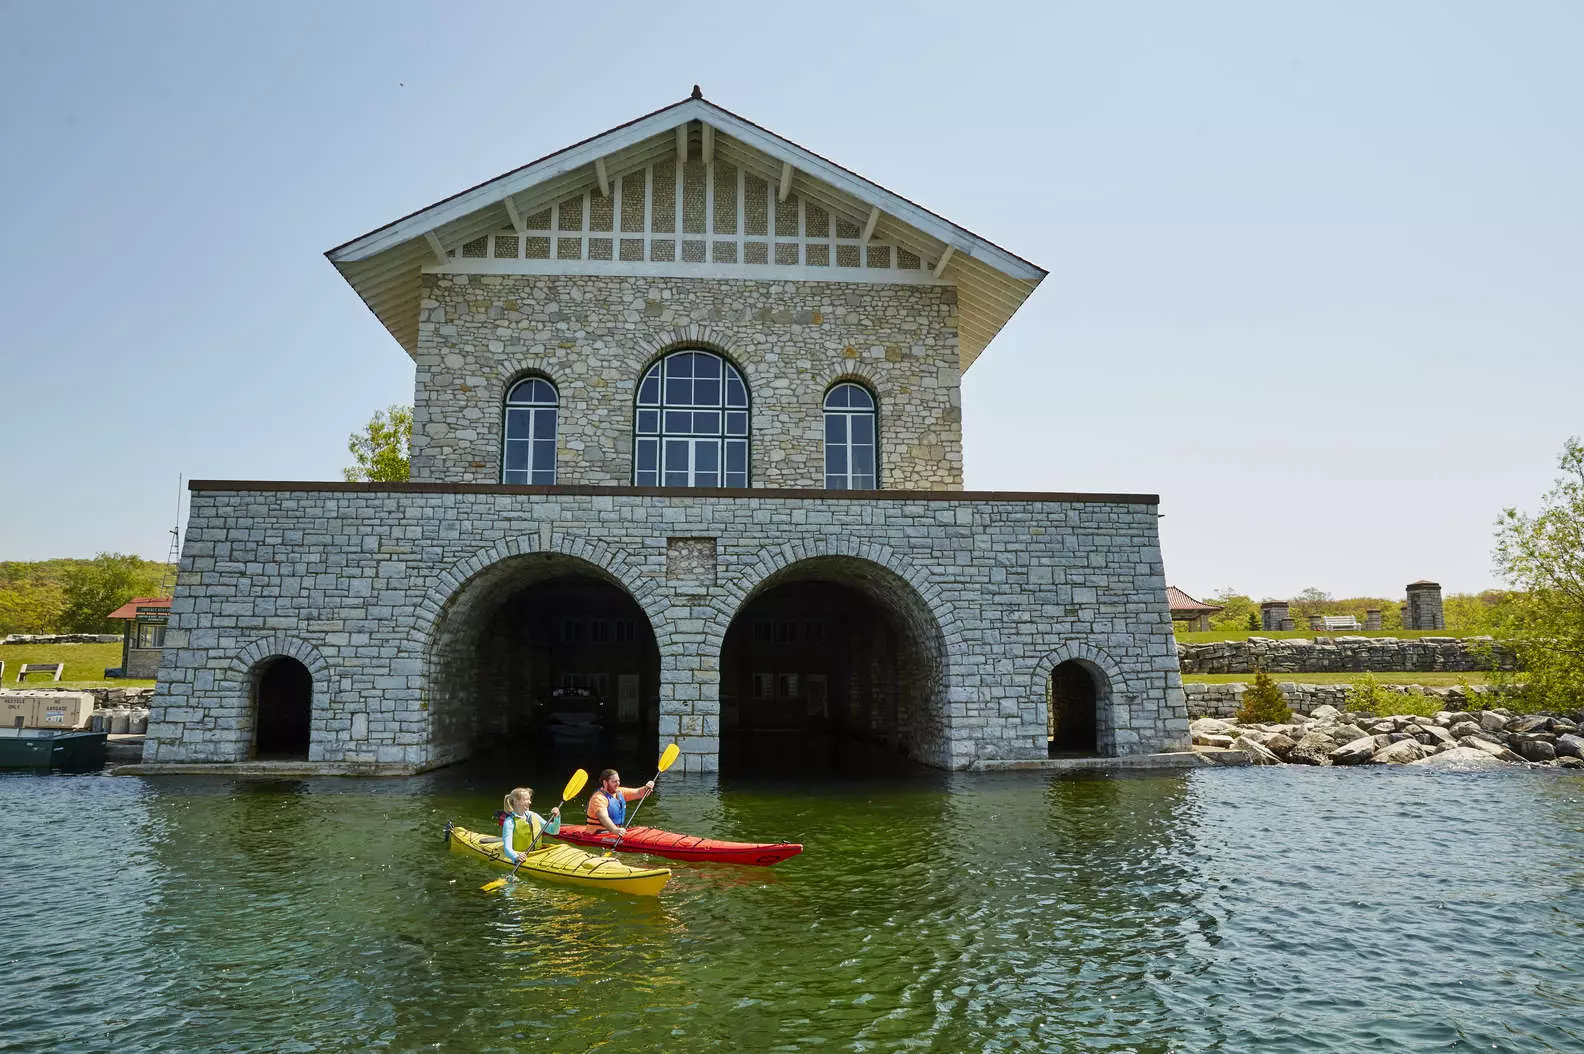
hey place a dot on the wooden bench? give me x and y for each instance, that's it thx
(55, 668)
(1341, 622)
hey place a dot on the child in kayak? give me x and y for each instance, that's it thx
(607, 807)
(522, 825)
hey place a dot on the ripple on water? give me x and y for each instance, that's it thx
(1269, 909)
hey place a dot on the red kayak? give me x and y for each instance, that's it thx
(656, 842)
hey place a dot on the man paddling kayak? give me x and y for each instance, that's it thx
(607, 807)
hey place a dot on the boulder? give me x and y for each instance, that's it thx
(1202, 739)
(1463, 728)
(1437, 735)
(1569, 746)
(1324, 712)
(1462, 758)
(1495, 750)
(1313, 749)
(1400, 753)
(1346, 733)
(1356, 752)
(1380, 727)
(1570, 763)
(1491, 721)
(1533, 748)
(1529, 723)
(1560, 725)
(1258, 755)
(1277, 743)
(1209, 726)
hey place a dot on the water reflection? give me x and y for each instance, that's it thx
(1272, 910)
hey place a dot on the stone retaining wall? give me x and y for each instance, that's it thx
(1346, 655)
(1224, 700)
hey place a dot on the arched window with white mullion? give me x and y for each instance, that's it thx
(690, 424)
(850, 439)
(528, 454)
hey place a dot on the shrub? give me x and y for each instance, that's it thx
(1263, 703)
(1366, 695)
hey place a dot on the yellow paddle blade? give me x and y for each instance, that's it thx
(493, 884)
(668, 758)
(574, 785)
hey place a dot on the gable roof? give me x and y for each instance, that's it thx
(384, 265)
(1178, 601)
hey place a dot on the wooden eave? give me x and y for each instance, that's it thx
(384, 266)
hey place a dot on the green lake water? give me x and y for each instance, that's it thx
(1289, 909)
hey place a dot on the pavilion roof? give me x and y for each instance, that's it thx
(1178, 601)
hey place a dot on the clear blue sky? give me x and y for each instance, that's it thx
(1317, 271)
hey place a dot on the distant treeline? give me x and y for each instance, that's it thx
(1467, 614)
(74, 596)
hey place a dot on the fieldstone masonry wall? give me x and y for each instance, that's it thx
(357, 581)
(594, 336)
(1345, 655)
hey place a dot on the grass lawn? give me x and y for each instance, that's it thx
(1211, 636)
(85, 665)
(1429, 680)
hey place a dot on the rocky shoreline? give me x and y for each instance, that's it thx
(1455, 740)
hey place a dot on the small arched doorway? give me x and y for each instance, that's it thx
(1072, 702)
(282, 708)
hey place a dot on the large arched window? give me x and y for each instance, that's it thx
(529, 454)
(850, 438)
(690, 427)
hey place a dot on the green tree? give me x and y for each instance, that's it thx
(31, 604)
(1543, 555)
(383, 449)
(1235, 610)
(1264, 703)
(96, 587)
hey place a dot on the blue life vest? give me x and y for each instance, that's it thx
(615, 808)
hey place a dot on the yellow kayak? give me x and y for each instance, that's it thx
(565, 864)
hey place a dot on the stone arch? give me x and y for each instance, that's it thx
(742, 585)
(925, 635)
(453, 616)
(619, 568)
(858, 372)
(244, 668)
(1109, 684)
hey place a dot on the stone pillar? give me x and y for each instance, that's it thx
(1317, 622)
(1423, 610)
(1372, 619)
(1272, 614)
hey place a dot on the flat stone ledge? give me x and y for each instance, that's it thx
(1180, 759)
(271, 768)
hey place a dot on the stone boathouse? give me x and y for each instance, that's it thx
(686, 465)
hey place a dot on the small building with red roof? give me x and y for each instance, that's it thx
(143, 637)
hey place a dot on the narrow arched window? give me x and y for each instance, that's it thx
(690, 425)
(850, 438)
(530, 444)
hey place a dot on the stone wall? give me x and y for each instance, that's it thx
(367, 586)
(594, 336)
(1224, 700)
(1345, 655)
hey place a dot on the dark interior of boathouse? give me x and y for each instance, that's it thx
(832, 663)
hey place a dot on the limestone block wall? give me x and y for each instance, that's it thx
(1346, 655)
(358, 582)
(594, 336)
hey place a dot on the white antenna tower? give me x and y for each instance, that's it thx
(173, 555)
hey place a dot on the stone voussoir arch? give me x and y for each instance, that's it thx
(742, 585)
(856, 371)
(623, 571)
(281, 645)
(1085, 652)
(656, 346)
